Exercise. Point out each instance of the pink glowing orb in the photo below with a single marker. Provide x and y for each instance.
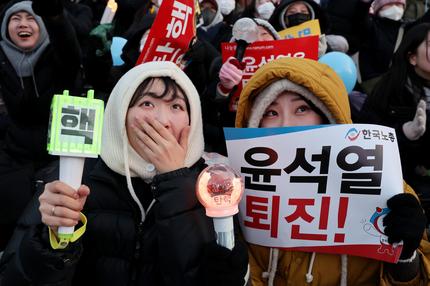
(219, 189)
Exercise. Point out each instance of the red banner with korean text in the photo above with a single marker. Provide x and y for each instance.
(171, 34)
(259, 53)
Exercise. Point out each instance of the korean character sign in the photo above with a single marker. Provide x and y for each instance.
(317, 188)
(308, 28)
(259, 53)
(75, 132)
(171, 34)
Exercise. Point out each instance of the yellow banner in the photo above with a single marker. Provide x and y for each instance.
(308, 28)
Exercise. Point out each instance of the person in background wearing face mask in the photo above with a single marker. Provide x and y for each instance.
(379, 34)
(210, 13)
(214, 29)
(291, 13)
(262, 9)
(226, 6)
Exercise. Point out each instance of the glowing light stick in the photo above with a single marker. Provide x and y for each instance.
(219, 189)
(109, 12)
(245, 32)
(75, 133)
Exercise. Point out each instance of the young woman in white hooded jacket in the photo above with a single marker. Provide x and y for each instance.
(145, 224)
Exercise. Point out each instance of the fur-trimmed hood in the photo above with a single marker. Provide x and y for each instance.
(314, 81)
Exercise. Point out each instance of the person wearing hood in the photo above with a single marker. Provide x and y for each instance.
(40, 57)
(296, 92)
(211, 14)
(380, 35)
(214, 29)
(291, 13)
(145, 223)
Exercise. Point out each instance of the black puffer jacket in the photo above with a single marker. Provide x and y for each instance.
(119, 249)
(377, 38)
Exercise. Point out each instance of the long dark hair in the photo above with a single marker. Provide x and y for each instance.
(391, 86)
(250, 10)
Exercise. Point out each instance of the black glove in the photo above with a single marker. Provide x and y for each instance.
(406, 221)
(225, 267)
(196, 51)
(48, 8)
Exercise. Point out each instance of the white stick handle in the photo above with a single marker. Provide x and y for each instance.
(225, 231)
(71, 169)
(107, 16)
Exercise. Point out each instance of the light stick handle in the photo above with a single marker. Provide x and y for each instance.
(71, 169)
(225, 231)
(109, 12)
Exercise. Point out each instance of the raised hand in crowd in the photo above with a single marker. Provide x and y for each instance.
(416, 128)
(230, 74)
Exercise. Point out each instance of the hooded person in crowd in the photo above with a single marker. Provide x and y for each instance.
(380, 35)
(401, 100)
(297, 92)
(145, 224)
(214, 29)
(291, 13)
(210, 13)
(40, 57)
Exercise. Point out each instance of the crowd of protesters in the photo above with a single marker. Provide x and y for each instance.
(144, 224)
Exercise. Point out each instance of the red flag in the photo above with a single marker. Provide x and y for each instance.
(171, 34)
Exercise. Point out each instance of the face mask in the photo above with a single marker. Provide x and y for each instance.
(265, 10)
(226, 6)
(394, 13)
(208, 16)
(297, 19)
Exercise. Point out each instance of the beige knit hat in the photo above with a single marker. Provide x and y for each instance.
(116, 150)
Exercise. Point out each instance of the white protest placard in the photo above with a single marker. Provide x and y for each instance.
(317, 188)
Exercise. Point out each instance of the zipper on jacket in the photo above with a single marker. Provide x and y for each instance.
(137, 249)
